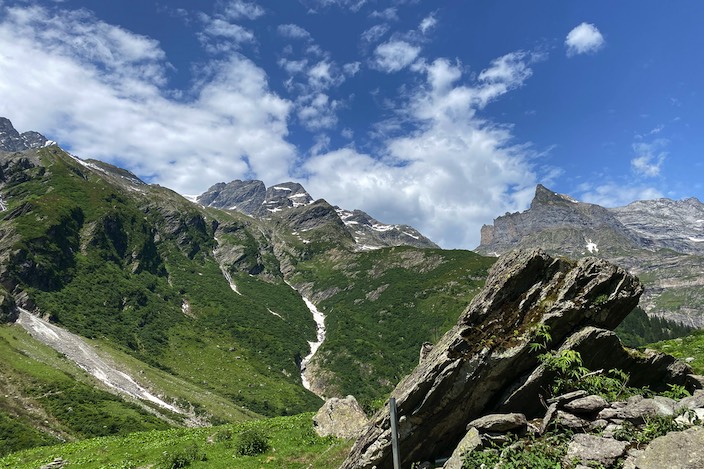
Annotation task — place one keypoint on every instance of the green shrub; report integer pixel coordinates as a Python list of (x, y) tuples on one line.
[(251, 442), (182, 457)]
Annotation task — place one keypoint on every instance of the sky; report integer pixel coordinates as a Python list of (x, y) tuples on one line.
[(438, 114)]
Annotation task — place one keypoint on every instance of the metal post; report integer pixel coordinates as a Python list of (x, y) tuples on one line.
[(394, 434)]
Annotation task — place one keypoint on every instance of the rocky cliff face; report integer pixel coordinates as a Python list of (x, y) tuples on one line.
[(485, 362), (661, 240)]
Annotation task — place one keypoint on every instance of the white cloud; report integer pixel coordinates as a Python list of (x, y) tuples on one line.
[(317, 112), (615, 194), (115, 109), (649, 157), (395, 55), (293, 66), (293, 31), (323, 75), (374, 33), (351, 69), (353, 5), (220, 36), (388, 14), (239, 9), (428, 23), (584, 39), (449, 176)]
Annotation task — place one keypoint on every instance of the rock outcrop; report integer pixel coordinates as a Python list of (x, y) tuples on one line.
[(488, 352)]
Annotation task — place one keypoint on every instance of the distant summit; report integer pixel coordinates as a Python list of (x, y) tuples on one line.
[(255, 199), (12, 140)]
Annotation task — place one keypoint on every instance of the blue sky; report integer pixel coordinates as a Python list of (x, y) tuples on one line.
[(439, 114)]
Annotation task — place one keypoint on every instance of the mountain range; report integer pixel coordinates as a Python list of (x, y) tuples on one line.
[(129, 307), (661, 241)]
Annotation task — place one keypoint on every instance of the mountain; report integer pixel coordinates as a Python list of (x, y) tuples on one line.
[(662, 241), (255, 199), (128, 307)]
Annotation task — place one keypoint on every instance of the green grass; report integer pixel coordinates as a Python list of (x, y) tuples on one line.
[(685, 347), (292, 444)]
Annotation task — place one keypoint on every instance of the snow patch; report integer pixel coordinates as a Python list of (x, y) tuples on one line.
[(591, 246), (696, 240), (380, 227), (3, 205), (84, 356), (281, 188), (411, 235)]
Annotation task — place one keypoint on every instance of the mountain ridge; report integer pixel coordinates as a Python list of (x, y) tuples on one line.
[(660, 240)]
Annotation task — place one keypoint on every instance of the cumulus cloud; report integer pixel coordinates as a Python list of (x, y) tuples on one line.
[(395, 55), (453, 172), (115, 109), (352, 5), (649, 158), (317, 112), (584, 39)]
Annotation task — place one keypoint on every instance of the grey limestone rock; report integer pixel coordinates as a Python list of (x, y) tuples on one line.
[(499, 423), (676, 450), (471, 441), (586, 405), (587, 449), (342, 418)]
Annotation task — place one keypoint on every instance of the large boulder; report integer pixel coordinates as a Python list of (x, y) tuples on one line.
[(489, 350), (342, 418)]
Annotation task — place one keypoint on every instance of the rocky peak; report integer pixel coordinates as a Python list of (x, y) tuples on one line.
[(557, 223), (12, 140), (544, 196), (370, 233), (284, 195), (244, 196), (282, 200)]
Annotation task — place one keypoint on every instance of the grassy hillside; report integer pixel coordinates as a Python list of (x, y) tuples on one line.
[(110, 258), (381, 306), (292, 443), (45, 399)]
